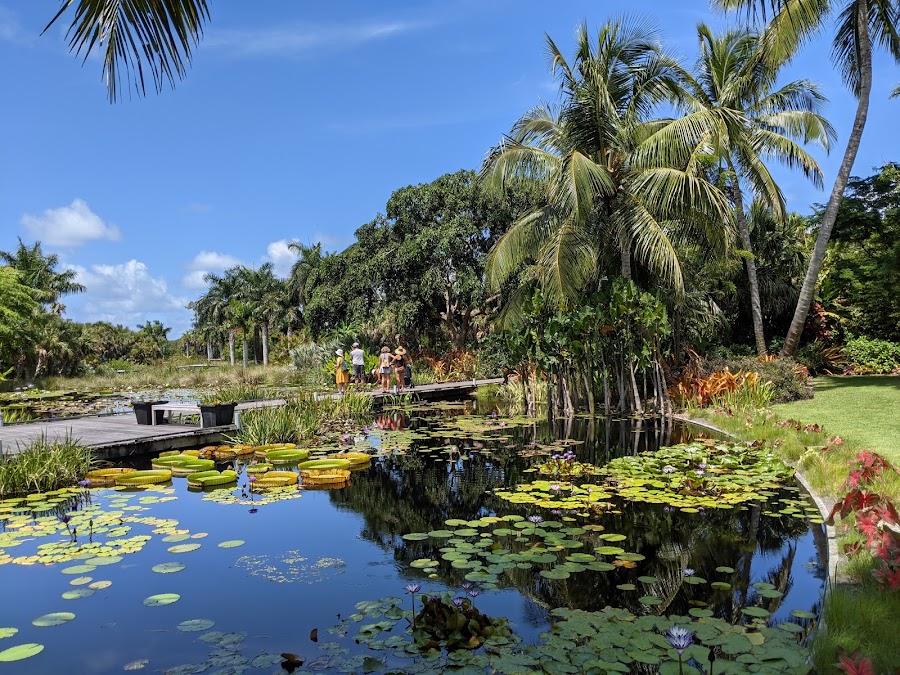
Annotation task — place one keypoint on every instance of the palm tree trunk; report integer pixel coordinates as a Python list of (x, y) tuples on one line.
[(625, 254), (804, 302), (231, 345), (246, 346), (265, 343), (750, 263), (209, 349)]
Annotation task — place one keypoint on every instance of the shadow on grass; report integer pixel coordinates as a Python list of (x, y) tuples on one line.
[(856, 382)]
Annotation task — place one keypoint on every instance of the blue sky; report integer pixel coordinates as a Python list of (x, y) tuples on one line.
[(296, 121)]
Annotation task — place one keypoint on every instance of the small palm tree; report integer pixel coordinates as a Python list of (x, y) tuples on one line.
[(859, 23), (733, 85), (38, 271)]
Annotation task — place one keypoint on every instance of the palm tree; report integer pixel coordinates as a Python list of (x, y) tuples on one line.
[(136, 36), (217, 301), (262, 293), (859, 22), (615, 187), (38, 271), (302, 276), (733, 85)]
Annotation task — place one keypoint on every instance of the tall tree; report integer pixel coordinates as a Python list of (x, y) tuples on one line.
[(859, 23), (38, 270), (262, 293), (616, 180), (136, 36), (734, 84)]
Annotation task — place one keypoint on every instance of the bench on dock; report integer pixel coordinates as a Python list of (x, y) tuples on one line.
[(191, 409)]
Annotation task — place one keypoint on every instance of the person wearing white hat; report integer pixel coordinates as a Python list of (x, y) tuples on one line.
[(342, 371), (400, 368)]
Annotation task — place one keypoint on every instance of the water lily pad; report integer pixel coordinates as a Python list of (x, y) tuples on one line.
[(168, 568), (104, 560), (790, 627), (161, 599), (626, 587), (415, 536), (649, 600), (195, 625), (8, 632), (78, 569), (81, 581), (725, 570), (700, 613), (233, 543), (695, 581), (802, 614), (720, 585), (54, 619), (647, 580), (183, 548), (100, 585), (422, 563), (555, 574), (20, 652), (77, 594), (757, 612)]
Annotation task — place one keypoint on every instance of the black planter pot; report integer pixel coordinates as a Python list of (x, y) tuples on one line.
[(216, 415), (142, 412)]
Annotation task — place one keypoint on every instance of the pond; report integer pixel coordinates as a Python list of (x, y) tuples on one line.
[(167, 579)]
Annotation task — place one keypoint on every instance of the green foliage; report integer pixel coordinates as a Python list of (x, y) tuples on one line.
[(44, 465), (872, 356), (861, 283), (789, 380)]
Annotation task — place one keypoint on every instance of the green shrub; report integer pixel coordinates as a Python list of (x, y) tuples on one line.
[(44, 465), (870, 356), (790, 380)]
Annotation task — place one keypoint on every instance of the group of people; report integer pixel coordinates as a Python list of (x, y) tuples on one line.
[(396, 362)]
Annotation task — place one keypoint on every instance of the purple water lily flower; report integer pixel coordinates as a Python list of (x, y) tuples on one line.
[(688, 571), (702, 466), (536, 520), (65, 518), (668, 469), (412, 588), (465, 585), (474, 593), (556, 487), (680, 638), (84, 483), (700, 472), (458, 602), (252, 479)]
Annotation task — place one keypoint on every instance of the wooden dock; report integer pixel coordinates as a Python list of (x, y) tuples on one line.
[(115, 436)]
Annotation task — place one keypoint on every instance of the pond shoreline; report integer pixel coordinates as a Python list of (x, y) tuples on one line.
[(823, 504)]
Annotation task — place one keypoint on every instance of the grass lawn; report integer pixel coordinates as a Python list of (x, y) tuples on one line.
[(865, 410)]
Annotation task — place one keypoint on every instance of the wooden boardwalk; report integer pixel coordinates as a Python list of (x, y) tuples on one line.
[(115, 436)]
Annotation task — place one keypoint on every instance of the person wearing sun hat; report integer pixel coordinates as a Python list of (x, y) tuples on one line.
[(385, 359), (342, 371), (400, 368)]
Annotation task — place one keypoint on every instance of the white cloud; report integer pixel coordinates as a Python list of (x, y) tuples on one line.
[(281, 257), (300, 39), (127, 293), (71, 225), (204, 263)]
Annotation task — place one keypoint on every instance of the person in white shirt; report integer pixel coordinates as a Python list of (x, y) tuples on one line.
[(358, 359)]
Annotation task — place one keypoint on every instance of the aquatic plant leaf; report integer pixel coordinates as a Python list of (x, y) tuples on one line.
[(695, 581), (721, 585), (77, 594), (195, 625), (168, 568), (183, 548), (8, 632), (802, 614), (725, 570), (161, 599), (649, 600), (53, 619), (78, 569), (757, 612), (20, 652), (647, 580), (233, 543), (100, 585), (415, 536), (81, 581)]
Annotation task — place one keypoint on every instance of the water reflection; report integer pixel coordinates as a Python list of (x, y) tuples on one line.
[(442, 476)]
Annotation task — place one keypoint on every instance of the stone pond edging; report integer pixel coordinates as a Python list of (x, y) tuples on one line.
[(823, 504)]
